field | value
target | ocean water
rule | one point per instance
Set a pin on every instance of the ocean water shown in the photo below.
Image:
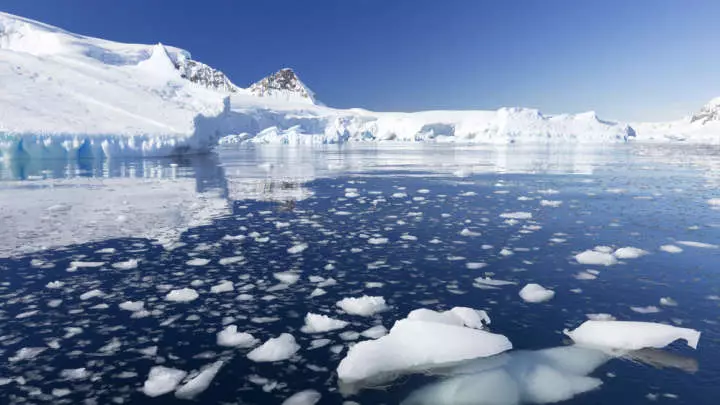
(415, 224)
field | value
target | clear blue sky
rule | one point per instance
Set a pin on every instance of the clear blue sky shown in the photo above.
(627, 60)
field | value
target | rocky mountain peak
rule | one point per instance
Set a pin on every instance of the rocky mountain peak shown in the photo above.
(709, 112)
(283, 84)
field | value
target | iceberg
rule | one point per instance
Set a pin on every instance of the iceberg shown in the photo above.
(275, 349)
(624, 335)
(162, 380)
(430, 339)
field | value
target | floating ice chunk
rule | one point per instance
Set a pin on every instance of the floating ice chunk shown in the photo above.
(74, 374)
(329, 282)
(132, 306)
(550, 203)
(600, 317)
(80, 265)
(287, 277)
(315, 323)
(55, 284)
(418, 344)
(317, 343)
(162, 380)
(516, 215)
(487, 281)
(307, 397)
(585, 275)
(506, 252)
(230, 337)
(363, 306)
(198, 384)
(298, 248)
(701, 245)
(92, 294)
(275, 349)
(668, 302)
(715, 202)
(537, 377)
(646, 310)
(317, 292)
(60, 392)
(182, 295)
(596, 258)
(629, 253)
(230, 260)
(467, 232)
(374, 332)
(198, 261)
(225, 286)
(410, 238)
(671, 249)
(126, 265)
(603, 249)
(475, 265)
(536, 293)
(399, 195)
(458, 316)
(377, 241)
(625, 335)
(27, 353)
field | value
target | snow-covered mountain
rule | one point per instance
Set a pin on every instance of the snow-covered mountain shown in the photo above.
(65, 94)
(283, 85)
(702, 127)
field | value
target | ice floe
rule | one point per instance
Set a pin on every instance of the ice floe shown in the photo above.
(199, 383)
(275, 349)
(671, 249)
(536, 293)
(162, 380)
(230, 337)
(182, 295)
(629, 253)
(627, 335)
(363, 306)
(315, 323)
(306, 397)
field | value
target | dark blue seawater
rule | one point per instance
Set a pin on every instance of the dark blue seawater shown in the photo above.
(255, 203)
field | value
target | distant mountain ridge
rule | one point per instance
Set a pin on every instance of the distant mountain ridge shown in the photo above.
(285, 85)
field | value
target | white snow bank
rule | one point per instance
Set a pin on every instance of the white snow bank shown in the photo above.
(536, 293)
(162, 380)
(631, 335)
(414, 344)
(315, 323)
(363, 306)
(275, 349)
(537, 377)
(198, 384)
(230, 337)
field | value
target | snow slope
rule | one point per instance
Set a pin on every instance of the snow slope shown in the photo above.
(701, 127)
(65, 94)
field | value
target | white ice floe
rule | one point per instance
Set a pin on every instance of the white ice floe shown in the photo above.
(458, 316)
(182, 295)
(230, 337)
(490, 283)
(317, 292)
(298, 248)
(516, 215)
(55, 284)
(600, 317)
(126, 265)
(467, 232)
(596, 258)
(307, 397)
(224, 286)
(198, 261)
(625, 335)
(26, 353)
(315, 323)
(550, 203)
(275, 349)
(671, 249)
(377, 241)
(701, 245)
(133, 306)
(374, 332)
(92, 294)
(162, 380)
(475, 265)
(629, 253)
(651, 309)
(363, 306)
(668, 302)
(715, 202)
(230, 260)
(585, 275)
(536, 293)
(287, 277)
(198, 384)
(534, 377)
(413, 344)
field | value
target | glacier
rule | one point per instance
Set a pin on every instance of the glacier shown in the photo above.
(69, 96)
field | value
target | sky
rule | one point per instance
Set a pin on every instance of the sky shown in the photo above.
(639, 60)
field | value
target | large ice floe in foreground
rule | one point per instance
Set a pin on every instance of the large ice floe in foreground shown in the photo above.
(423, 340)
(68, 95)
